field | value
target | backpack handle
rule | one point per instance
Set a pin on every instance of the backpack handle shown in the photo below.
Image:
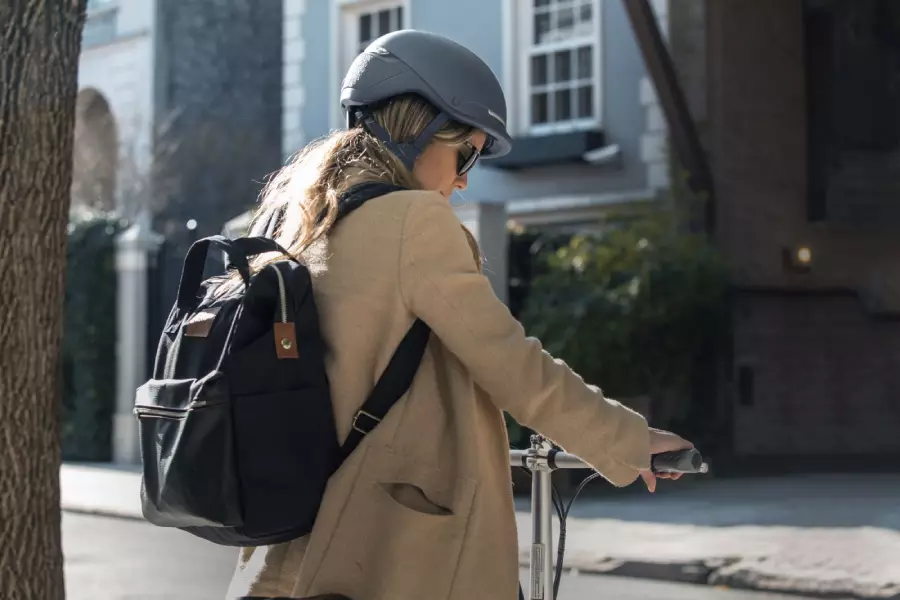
(237, 250)
(251, 246)
(195, 260)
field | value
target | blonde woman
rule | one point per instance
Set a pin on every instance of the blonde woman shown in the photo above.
(423, 508)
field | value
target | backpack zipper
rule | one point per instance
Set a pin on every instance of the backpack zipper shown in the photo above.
(172, 355)
(172, 413)
(281, 294)
(164, 413)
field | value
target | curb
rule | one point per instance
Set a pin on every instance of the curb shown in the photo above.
(723, 573)
(759, 567)
(694, 572)
(79, 485)
(93, 511)
(741, 575)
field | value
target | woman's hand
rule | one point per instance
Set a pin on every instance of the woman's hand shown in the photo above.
(663, 441)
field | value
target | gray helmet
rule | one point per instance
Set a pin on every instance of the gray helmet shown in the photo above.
(450, 76)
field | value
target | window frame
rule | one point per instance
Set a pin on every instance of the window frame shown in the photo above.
(520, 47)
(345, 15)
(350, 26)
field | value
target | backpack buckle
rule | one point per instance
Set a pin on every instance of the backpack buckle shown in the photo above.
(358, 428)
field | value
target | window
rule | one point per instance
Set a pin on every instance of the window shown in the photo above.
(366, 22)
(358, 23)
(559, 73)
(853, 111)
(373, 24)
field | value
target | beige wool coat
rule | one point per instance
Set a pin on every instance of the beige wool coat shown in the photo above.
(423, 509)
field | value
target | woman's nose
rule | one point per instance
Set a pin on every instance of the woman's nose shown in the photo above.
(461, 182)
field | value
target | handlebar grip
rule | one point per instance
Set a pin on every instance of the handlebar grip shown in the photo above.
(680, 461)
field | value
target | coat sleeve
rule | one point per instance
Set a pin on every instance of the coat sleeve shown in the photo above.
(442, 285)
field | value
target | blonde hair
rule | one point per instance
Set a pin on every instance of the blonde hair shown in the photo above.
(303, 195)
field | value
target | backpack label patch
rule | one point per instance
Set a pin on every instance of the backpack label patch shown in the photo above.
(200, 324)
(285, 340)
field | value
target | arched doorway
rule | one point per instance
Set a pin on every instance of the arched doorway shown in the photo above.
(95, 160)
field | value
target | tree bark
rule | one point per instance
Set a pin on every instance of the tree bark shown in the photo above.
(40, 42)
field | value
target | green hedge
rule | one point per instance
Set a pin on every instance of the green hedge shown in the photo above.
(525, 256)
(89, 338)
(641, 310)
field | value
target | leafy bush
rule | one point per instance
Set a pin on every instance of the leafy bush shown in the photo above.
(637, 310)
(525, 246)
(89, 338)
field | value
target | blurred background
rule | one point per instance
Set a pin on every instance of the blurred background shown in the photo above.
(700, 214)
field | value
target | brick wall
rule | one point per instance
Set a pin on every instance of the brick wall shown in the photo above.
(865, 190)
(852, 73)
(825, 369)
(759, 156)
(825, 377)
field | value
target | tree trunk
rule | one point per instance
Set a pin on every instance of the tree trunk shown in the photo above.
(40, 41)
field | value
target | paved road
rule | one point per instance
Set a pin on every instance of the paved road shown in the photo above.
(121, 559)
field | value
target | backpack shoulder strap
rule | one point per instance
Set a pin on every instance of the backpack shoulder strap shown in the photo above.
(391, 386)
(361, 193)
(349, 201)
(404, 364)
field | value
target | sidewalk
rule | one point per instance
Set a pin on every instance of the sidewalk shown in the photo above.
(831, 536)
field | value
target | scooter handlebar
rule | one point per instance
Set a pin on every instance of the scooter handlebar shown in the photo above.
(681, 461)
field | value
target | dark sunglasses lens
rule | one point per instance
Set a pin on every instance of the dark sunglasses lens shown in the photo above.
(466, 160)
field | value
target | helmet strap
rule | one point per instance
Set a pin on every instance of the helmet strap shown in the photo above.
(407, 152)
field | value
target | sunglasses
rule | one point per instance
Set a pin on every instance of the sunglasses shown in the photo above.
(466, 159)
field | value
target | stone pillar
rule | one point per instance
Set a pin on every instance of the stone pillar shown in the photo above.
(487, 222)
(136, 247)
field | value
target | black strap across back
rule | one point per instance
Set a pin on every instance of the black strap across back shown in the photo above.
(401, 370)
(404, 363)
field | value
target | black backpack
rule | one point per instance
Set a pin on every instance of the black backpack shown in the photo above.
(237, 432)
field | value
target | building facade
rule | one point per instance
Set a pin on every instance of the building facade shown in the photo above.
(179, 117)
(115, 107)
(589, 132)
(800, 117)
(795, 102)
(588, 129)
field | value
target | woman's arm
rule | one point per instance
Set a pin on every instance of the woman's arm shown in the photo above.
(442, 285)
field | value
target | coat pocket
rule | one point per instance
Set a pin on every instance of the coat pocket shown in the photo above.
(401, 532)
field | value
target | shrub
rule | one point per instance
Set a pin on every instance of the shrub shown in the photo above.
(637, 310)
(89, 337)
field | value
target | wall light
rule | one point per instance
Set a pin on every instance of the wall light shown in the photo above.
(797, 259)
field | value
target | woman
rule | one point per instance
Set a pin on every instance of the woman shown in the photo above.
(423, 509)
